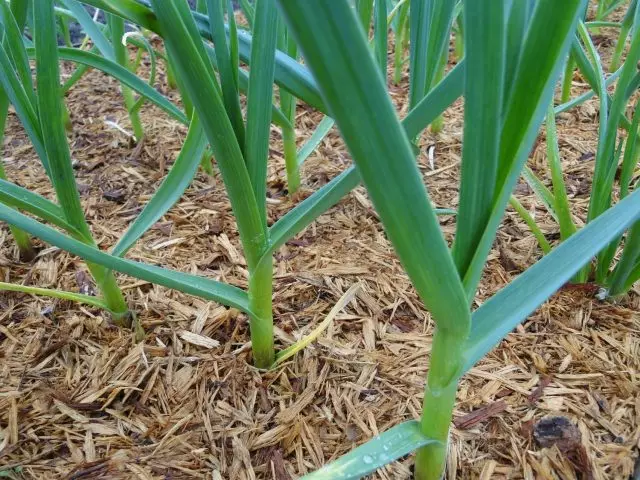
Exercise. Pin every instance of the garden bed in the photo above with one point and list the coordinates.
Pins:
(80, 398)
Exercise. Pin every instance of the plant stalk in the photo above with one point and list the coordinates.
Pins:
(438, 403)
(111, 294)
(291, 160)
(261, 322)
(567, 80)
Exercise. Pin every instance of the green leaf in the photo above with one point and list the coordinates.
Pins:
(91, 29)
(531, 223)
(381, 34)
(391, 445)
(191, 284)
(15, 47)
(228, 71)
(630, 257)
(546, 46)
(122, 75)
(540, 189)
(514, 303)
(561, 199)
(631, 154)
(192, 64)
(18, 197)
(484, 89)
(438, 99)
(26, 111)
(249, 12)
(46, 292)
(172, 188)
(355, 93)
(321, 131)
(260, 99)
(50, 112)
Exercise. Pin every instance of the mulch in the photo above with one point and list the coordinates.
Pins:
(79, 398)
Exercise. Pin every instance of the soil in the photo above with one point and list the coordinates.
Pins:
(80, 398)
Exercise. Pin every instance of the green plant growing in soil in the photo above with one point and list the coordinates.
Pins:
(200, 85)
(606, 185)
(40, 111)
(502, 119)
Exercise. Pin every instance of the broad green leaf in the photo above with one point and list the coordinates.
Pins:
(355, 94)
(485, 66)
(385, 448)
(517, 23)
(513, 304)
(260, 99)
(172, 188)
(191, 284)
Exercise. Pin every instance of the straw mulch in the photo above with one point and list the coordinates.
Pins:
(80, 399)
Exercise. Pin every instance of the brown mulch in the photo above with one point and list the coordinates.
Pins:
(80, 399)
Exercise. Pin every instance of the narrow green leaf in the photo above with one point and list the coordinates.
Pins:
(514, 303)
(625, 267)
(531, 223)
(561, 199)
(50, 111)
(122, 75)
(191, 284)
(249, 12)
(91, 28)
(47, 292)
(15, 47)
(172, 188)
(260, 99)
(26, 111)
(391, 445)
(438, 99)
(381, 35)
(540, 189)
(23, 199)
(419, 19)
(226, 68)
(631, 154)
(321, 131)
(484, 89)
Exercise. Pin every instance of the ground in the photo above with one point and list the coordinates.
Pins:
(79, 398)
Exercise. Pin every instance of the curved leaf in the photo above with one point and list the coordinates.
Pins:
(191, 284)
(91, 28)
(514, 303)
(121, 74)
(385, 448)
(47, 292)
(172, 188)
(321, 131)
(18, 197)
